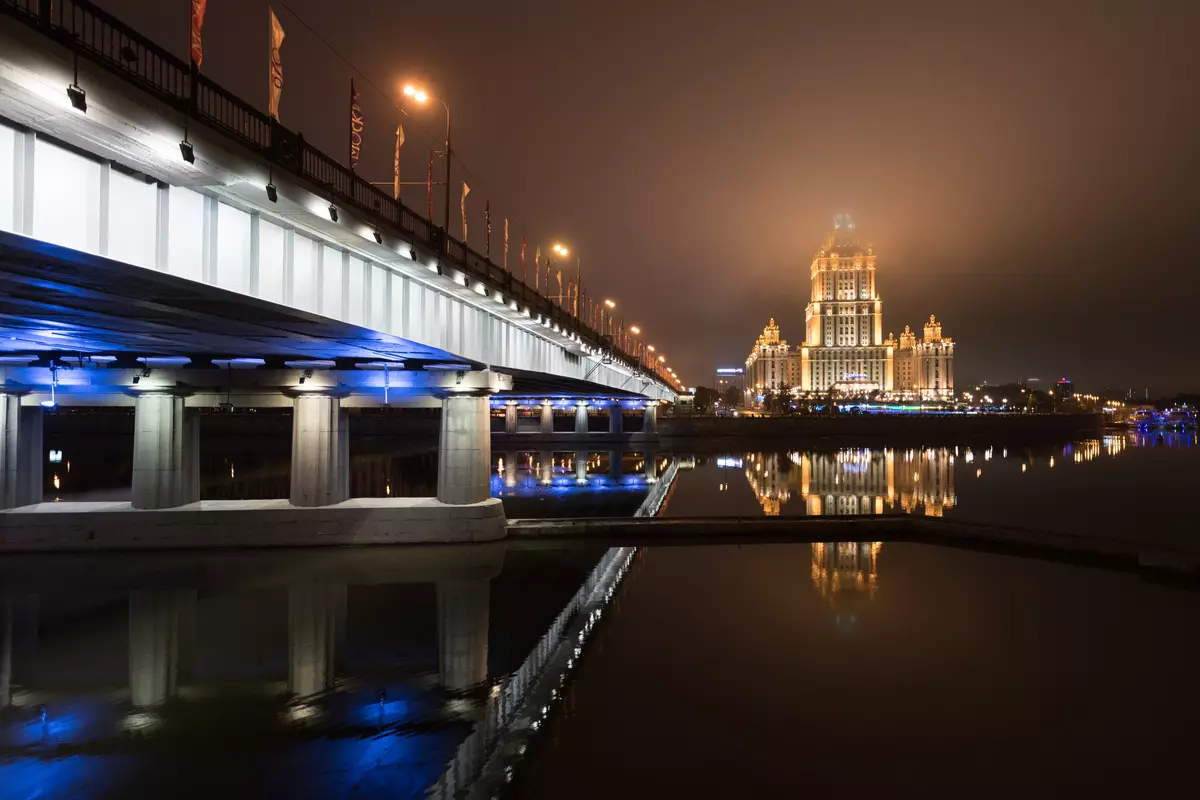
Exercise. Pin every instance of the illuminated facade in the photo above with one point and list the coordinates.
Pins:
(844, 350)
(925, 368)
(845, 566)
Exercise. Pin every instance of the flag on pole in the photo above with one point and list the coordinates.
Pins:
(487, 221)
(506, 244)
(524, 266)
(537, 269)
(276, 65)
(357, 122)
(429, 189)
(463, 208)
(198, 9)
(396, 164)
(560, 302)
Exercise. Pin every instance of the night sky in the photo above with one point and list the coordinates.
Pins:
(1026, 171)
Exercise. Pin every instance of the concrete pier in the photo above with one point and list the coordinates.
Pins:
(463, 615)
(650, 423)
(581, 418)
(6, 651)
(20, 452)
(615, 419)
(157, 619)
(465, 449)
(320, 450)
(166, 452)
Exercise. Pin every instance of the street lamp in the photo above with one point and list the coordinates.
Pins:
(421, 96)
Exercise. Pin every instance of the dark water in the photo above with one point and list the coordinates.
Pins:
(714, 672)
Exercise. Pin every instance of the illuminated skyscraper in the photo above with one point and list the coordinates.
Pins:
(844, 350)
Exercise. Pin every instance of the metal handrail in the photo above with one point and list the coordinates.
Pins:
(91, 32)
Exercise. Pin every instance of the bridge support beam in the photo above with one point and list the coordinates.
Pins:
(547, 418)
(20, 453)
(166, 452)
(650, 421)
(581, 417)
(463, 615)
(510, 417)
(320, 450)
(464, 449)
(157, 619)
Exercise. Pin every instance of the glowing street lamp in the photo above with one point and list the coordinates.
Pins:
(635, 330)
(421, 96)
(610, 303)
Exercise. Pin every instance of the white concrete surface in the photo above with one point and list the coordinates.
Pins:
(320, 451)
(465, 450)
(166, 452)
(100, 526)
(463, 614)
(20, 452)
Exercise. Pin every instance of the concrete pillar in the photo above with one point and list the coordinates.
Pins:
(581, 467)
(320, 450)
(465, 450)
(510, 417)
(316, 615)
(166, 452)
(547, 418)
(463, 610)
(581, 418)
(21, 455)
(614, 419)
(650, 424)
(156, 619)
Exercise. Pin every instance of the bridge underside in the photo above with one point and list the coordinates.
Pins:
(57, 300)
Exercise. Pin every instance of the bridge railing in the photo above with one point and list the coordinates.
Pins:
(94, 33)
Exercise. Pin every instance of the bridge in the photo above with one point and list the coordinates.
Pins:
(166, 245)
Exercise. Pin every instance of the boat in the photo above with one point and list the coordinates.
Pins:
(1143, 418)
(1178, 419)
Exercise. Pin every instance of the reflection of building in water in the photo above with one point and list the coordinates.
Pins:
(845, 566)
(855, 481)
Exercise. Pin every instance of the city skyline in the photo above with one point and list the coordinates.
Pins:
(1012, 176)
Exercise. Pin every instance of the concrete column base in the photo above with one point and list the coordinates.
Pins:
(581, 418)
(650, 421)
(465, 450)
(20, 453)
(320, 451)
(166, 452)
(463, 615)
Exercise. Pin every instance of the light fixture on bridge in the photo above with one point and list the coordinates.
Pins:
(78, 97)
(635, 330)
(333, 212)
(378, 236)
(272, 193)
(186, 150)
(560, 250)
(610, 304)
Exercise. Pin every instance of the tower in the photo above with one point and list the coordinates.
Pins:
(843, 346)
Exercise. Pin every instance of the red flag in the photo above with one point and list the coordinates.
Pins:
(356, 127)
(487, 219)
(524, 266)
(198, 9)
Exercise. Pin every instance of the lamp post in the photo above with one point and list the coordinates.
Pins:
(421, 96)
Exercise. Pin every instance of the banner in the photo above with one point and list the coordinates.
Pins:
(463, 208)
(487, 221)
(560, 301)
(356, 127)
(396, 164)
(537, 269)
(276, 65)
(198, 9)
(506, 244)
(524, 266)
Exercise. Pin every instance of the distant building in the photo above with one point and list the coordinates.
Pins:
(730, 377)
(844, 351)
(1065, 389)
